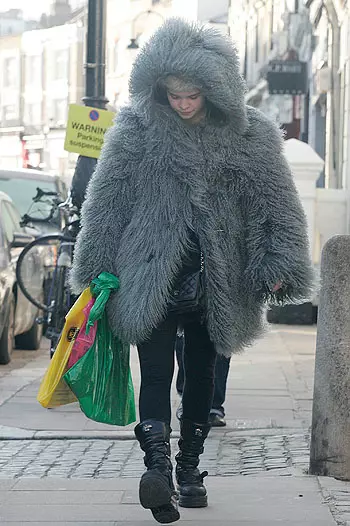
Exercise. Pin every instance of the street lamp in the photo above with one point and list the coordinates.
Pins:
(134, 40)
(95, 68)
(95, 65)
(133, 44)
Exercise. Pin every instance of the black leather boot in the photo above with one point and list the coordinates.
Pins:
(193, 493)
(157, 491)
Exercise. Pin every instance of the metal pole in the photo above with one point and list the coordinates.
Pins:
(95, 65)
(95, 97)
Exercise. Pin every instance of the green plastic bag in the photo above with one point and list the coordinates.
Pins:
(101, 380)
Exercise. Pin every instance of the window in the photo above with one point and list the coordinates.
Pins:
(59, 110)
(7, 222)
(22, 192)
(115, 56)
(33, 70)
(10, 112)
(11, 72)
(60, 70)
(32, 113)
(16, 218)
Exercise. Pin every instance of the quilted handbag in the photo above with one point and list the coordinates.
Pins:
(188, 292)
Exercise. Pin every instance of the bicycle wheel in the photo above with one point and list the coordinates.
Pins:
(62, 301)
(53, 255)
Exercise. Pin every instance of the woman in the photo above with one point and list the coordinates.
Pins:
(189, 175)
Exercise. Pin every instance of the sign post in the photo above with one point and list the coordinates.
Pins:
(86, 128)
(95, 67)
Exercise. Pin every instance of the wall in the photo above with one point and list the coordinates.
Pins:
(332, 210)
(10, 26)
(202, 10)
(208, 9)
(10, 81)
(10, 102)
(186, 8)
(128, 19)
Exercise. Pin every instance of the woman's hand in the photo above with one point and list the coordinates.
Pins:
(277, 287)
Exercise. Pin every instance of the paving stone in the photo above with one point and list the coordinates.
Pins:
(107, 458)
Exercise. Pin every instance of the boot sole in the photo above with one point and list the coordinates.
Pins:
(193, 502)
(153, 491)
(166, 514)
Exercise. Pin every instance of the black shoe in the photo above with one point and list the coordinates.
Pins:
(192, 492)
(156, 490)
(216, 420)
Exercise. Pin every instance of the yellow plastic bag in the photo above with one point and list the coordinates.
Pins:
(53, 390)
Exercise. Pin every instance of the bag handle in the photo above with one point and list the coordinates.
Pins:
(101, 288)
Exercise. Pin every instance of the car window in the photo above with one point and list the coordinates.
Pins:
(16, 218)
(22, 192)
(2, 243)
(7, 222)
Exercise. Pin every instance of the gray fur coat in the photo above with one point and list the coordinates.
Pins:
(226, 179)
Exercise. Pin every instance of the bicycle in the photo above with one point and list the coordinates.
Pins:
(56, 252)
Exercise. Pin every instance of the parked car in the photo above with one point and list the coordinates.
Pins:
(22, 184)
(18, 316)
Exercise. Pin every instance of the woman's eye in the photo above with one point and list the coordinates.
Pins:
(194, 97)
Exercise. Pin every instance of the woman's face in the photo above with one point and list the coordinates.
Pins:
(189, 105)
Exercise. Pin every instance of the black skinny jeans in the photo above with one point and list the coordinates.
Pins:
(157, 369)
(222, 368)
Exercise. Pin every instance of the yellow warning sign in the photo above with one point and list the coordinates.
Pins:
(86, 128)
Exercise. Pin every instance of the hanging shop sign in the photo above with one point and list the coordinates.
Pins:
(86, 128)
(287, 77)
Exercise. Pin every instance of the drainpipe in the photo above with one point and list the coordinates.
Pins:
(332, 168)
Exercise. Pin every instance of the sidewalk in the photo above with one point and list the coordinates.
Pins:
(235, 501)
(269, 387)
(57, 467)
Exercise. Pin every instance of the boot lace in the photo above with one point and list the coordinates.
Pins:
(191, 475)
(157, 457)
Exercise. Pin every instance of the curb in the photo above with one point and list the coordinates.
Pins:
(16, 433)
(69, 436)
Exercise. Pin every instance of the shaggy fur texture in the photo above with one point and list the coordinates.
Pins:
(228, 180)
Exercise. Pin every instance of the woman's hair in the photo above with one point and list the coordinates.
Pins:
(160, 93)
(213, 112)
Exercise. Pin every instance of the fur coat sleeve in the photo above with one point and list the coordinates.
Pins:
(277, 243)
(109, 202)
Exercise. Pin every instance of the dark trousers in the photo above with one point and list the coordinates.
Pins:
(222, 368)
(157, 369)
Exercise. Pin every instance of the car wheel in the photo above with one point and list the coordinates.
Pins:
(30, 340)
(7, 340)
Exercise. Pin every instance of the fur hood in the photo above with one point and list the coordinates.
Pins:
(226, 178)
(200, 54)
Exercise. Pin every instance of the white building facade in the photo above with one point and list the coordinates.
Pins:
(11, 127)
(201, 10)
(315, 32)
(128, 21)
(53, 78)
(12, 22)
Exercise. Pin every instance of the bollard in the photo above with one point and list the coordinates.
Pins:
(330, 432)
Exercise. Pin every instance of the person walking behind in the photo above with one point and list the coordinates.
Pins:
(222, 368)
(193, 206)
